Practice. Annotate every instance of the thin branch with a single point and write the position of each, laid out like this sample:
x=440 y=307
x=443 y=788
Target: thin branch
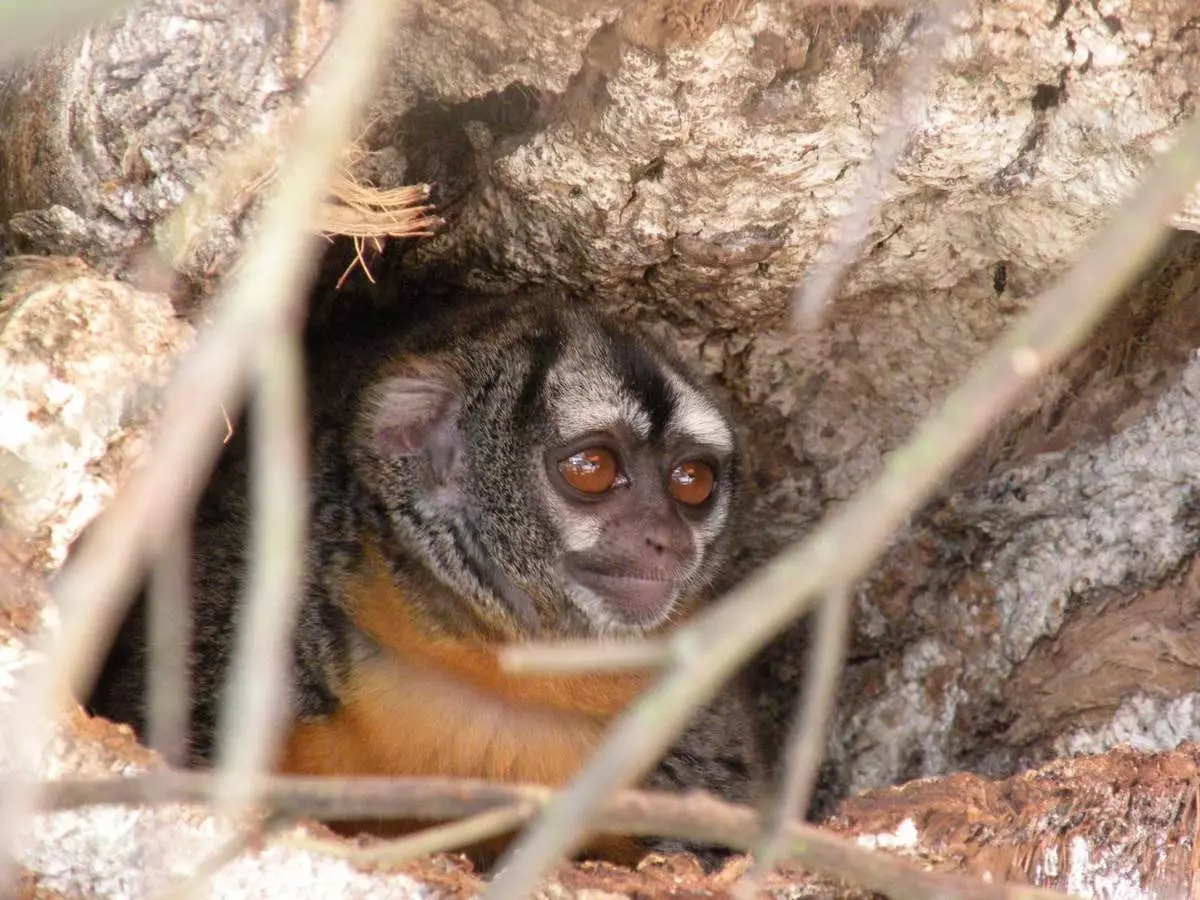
x=440 y=839
x=255 y=712
x=93 y=587
x=806 y=744
x=574 y=656
x=169 y=625
x=851 y=231
x=327 y=799
x=693 y=817
x=845 y=546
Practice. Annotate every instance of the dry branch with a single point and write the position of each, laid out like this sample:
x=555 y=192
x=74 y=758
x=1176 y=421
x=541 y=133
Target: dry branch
x=258 y=307
x=255 y=714
x=439 y=839
x=196 y=885
x=696 y=817
x=806 y=744
x=576 y=656
x=170 y=626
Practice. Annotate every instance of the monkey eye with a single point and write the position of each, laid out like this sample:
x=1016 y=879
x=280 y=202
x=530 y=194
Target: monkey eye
x=592 y=470
x=692 y=482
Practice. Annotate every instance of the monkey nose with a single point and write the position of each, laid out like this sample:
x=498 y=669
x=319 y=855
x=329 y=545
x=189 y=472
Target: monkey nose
x=665 y=542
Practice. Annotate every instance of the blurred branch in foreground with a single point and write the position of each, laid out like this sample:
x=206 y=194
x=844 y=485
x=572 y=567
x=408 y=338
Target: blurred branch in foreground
x=695 y=817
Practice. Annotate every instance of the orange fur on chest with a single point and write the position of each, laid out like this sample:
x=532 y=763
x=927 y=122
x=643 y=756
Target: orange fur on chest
x=433 y=705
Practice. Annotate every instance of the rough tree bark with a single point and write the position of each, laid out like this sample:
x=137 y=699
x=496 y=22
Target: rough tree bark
x=683 y=162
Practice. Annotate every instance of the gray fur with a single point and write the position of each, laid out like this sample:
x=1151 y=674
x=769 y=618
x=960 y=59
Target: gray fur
x=432 y=442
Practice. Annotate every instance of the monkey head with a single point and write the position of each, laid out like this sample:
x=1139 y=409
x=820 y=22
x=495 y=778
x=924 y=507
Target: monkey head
x=562 y=475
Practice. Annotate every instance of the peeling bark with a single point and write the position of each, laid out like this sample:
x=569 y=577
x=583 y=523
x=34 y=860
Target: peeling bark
x=1119 y=825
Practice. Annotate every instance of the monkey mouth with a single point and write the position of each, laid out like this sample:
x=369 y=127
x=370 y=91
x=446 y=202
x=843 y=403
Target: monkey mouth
x=639 y=600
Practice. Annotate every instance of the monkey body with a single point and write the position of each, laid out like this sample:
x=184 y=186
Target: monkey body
x=506 y=471
x=438 y=705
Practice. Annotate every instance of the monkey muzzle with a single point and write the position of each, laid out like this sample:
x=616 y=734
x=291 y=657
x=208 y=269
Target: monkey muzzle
x=639 y=600
x=637 y=567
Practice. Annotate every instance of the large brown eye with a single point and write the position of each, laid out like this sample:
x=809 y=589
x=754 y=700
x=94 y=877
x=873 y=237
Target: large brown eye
x=592 y=471
x=692 y=482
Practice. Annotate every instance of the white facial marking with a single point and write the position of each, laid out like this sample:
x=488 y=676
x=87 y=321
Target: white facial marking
x=597 y=403
x=694 y=417
x=706 y=530
x=579 y=530
x=606 y=623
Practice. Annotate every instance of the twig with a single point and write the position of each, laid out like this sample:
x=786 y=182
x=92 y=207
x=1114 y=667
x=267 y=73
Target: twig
x=806 y=743
x=1194 y=802
x=440 y=839
x=850 y=232
x=93 y=588
x=564 y=656
x=254 y=715
x=169 y=618
x=849 y=541
x=694 y=817
x=329 y=799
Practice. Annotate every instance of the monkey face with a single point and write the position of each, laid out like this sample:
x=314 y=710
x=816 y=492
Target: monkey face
x=632 y=523
x=638 y=485
x=566 y=477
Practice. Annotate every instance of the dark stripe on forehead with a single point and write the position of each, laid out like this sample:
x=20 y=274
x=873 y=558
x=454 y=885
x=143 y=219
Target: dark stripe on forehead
x=543 y=350
x=642 y=377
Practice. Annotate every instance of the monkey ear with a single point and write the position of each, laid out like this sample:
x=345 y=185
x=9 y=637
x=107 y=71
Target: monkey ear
x=416 y=414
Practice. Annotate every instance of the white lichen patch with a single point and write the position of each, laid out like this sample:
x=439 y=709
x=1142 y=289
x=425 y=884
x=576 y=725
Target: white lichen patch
x=1110 y=516
x=1102 y=875
x=81 y=359
x=119 y=853
x=1144 y=722
x=905 y=836
x=15 y=656
x=913 y=717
